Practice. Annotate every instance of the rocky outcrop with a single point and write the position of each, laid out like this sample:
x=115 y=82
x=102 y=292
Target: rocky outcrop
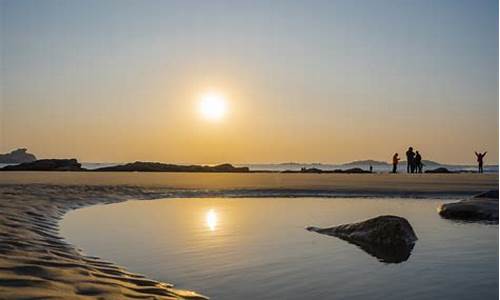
x=482 y=207
x=139 y=166
x=320 y=171
x=351 y=171
x=439 y=171
x=388 y=238
x=47 y=165
x=307 y=170
x=226 y=168
x=17 y=156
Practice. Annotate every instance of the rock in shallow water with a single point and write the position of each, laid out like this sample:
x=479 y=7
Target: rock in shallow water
x=482 y=207
x=389 y=238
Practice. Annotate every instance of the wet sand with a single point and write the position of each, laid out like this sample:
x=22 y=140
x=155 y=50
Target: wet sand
x=348 y=184
x=36 y=263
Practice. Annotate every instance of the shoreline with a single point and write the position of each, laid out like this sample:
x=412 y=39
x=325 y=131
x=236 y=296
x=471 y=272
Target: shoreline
x=36 y=262
x=417 y=185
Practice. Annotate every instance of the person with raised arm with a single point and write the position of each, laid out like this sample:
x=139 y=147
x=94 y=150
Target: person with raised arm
x=480 y=157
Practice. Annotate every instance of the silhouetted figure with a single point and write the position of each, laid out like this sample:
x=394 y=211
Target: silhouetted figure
x=395 y=161
x=480 y=157
x=418 y=162
x=410 y=158
x=371 y=169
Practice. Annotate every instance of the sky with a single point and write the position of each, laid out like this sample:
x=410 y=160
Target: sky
x=304 y=81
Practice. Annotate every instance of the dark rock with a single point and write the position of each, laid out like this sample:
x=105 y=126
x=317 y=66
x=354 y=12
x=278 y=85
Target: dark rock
x=482 y=207
x=312 y=170
x=351 y=171
x=47 y=165
x=139 y=166
x=439 y=171
x=17 y=156
x=388 y=238
x=320 y=171
x=307 y=170
x=227 y=168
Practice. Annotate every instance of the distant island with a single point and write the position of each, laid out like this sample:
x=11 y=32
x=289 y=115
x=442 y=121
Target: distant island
x=368 y=162
x=17 y=156
x=376 y=163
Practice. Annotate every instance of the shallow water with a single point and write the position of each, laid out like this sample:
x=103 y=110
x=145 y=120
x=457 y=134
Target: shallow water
x=257 y=248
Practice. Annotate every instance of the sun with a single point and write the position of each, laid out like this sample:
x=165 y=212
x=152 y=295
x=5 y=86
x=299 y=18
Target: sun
x=213 y=106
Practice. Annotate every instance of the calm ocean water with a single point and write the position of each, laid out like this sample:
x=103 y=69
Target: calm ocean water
x=257 y=248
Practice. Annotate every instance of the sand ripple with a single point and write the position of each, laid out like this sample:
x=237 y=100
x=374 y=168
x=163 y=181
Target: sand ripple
x=36 y=263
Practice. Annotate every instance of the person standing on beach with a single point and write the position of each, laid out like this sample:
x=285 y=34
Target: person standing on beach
x=418 y=162
x=395 y=161
x=480 y=157
x=410 y=160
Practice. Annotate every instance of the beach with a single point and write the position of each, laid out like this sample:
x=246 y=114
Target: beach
x=382 y=184
x=37 y=263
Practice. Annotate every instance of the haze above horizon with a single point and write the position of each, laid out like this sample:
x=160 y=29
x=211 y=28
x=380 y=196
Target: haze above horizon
x=249 y=81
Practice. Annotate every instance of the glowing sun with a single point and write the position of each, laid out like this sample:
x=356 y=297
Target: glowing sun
x=213 y=106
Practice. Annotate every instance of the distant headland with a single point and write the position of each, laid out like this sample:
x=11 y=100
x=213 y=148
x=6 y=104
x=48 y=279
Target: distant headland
x=17 y=156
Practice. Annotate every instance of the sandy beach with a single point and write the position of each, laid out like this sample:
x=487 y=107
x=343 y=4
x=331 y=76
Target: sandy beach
x=36 y=262
x=339 y=184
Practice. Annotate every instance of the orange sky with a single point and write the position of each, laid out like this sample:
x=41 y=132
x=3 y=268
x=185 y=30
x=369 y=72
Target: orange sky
x=118 y=81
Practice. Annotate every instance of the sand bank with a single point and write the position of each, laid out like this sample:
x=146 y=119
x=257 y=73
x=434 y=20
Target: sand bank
x=36 y=263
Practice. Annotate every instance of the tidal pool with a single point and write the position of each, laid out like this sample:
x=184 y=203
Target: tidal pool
x=258 y=248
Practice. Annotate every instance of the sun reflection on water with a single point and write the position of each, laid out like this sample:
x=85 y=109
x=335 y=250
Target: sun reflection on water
x=211 y=219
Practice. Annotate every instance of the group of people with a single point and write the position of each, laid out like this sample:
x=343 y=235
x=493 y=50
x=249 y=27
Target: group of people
x=413 y=160
x=415 y=165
